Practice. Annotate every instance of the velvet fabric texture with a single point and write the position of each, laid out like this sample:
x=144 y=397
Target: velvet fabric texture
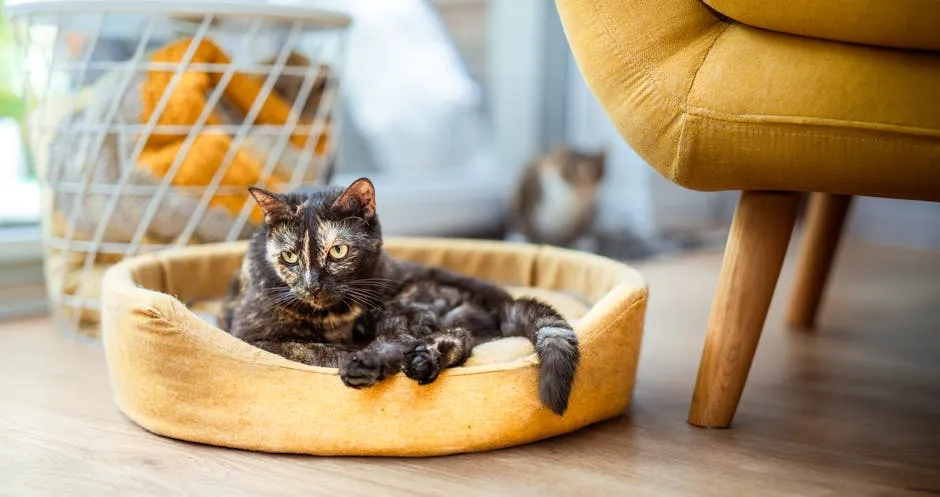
x=714 y=104
x=895 y=23
x=177 y=375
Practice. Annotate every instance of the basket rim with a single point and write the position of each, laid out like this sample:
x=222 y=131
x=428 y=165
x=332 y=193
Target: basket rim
x=224 y=8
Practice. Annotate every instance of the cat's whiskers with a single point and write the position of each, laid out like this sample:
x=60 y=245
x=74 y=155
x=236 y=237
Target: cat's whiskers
x=282 y=295
x=374 y=291
x=363 y=298
x=375 y=283
x=379 y=292
x=365 y=301
x=397 y=282
x=353 y=302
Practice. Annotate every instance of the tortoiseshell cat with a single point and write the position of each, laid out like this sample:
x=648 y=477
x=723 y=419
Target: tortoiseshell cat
x=316 y=287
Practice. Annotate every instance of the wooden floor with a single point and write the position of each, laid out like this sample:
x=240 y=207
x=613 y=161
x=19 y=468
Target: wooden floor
x=852 y=410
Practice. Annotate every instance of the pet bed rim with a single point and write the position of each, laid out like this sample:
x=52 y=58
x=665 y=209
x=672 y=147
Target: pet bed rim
x=123 y=290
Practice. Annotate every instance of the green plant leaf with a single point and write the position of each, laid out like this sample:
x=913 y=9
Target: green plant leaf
x=11 y=103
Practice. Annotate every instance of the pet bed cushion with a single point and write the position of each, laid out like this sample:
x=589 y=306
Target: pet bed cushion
x=177 y=375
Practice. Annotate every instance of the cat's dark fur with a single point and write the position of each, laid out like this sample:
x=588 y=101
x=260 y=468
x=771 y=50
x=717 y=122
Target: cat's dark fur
x=358 y=309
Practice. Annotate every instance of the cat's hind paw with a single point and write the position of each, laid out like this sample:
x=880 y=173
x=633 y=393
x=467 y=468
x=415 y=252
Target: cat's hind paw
x=422 y=364
x=361 y=370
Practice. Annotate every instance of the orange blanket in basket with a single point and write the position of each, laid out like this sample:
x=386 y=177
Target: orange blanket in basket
x=208 y=150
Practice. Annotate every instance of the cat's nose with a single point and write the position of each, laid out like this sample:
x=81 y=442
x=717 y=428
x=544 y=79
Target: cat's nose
x=311 y=280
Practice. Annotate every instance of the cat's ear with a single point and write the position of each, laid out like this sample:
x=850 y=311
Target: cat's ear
x=273 y=206
x=359 y=197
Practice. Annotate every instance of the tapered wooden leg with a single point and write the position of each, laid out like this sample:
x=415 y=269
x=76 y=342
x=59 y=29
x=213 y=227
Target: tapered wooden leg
x=756 y=247
x=824 y=221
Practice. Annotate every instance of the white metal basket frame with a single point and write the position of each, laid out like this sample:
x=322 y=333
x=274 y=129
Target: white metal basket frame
x=296 y=20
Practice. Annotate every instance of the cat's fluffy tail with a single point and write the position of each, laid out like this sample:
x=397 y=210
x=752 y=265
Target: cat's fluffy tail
x=558 y=354
x=556 y=345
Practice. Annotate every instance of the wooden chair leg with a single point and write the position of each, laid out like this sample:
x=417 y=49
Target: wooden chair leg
x=753 y=256
x=824 y=222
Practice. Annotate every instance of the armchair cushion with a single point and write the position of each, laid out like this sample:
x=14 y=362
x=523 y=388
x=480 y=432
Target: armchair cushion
x=896 y=23
x=715 y=105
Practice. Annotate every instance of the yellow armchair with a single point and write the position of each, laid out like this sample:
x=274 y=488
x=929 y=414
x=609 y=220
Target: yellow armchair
x=772 y=98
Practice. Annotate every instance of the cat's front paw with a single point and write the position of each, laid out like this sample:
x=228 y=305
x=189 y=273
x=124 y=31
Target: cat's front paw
x=422 y=364
x=361 y=370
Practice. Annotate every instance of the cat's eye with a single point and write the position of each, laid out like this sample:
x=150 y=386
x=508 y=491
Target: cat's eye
x=289 y=257
x=339 y=251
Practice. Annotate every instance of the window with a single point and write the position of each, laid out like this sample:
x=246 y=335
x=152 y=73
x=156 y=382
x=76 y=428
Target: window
x=19 y=193
x=21 y=288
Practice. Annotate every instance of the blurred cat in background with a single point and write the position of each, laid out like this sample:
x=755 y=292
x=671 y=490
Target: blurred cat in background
x=555 y=202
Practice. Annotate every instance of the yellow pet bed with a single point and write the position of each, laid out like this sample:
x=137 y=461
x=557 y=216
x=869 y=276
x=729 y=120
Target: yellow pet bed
x=178 y=375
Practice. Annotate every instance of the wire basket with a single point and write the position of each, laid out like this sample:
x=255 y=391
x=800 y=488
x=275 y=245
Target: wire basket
x=148 y=121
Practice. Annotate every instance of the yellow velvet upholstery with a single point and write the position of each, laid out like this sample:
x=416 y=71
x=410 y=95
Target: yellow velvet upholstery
x=884 y=23
x=717 y=105
x=177 y=375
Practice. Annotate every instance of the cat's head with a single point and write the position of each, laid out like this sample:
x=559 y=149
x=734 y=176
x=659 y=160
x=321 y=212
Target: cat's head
x=579 y=169
x=320 y=244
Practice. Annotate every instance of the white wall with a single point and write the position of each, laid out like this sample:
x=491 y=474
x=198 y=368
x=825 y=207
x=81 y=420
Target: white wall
x=895 y=222
x=515 y=78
